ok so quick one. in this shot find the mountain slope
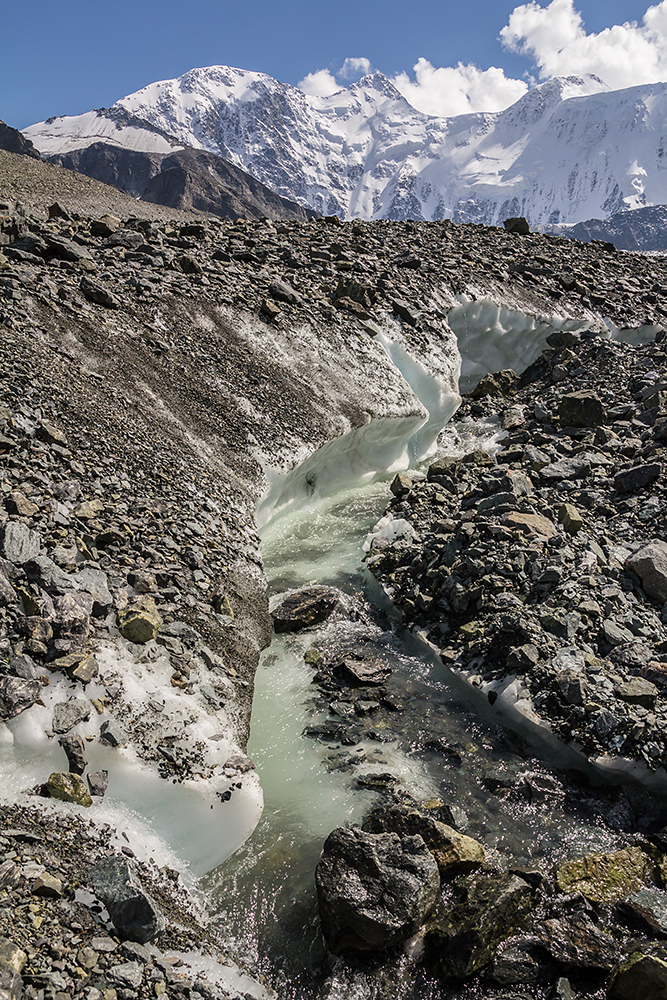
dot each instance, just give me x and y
(568, 150)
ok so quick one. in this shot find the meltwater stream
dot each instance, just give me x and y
(441, 741)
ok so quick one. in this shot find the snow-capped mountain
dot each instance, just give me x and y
(568, 150)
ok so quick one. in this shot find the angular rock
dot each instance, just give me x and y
(68, 788)
(75, 751)
(139, 622)
(48, 886)
(575, 941)
(20, 543)
(641, 977)
(570, 518)
(16, 695)
(518, 226)
(647, 908)
(604, 878)
(374, 890)
(68, 714)
(94, 582)
(359, 668)
(531, 524)
(95, 292)
(637, 478)
(454, 853)
(98, 782)
(650, 564)
(581, 409)
(462, 939)
(304, 609)
(400, 485)
(135, 915)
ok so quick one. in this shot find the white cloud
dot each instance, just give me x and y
(554, 37)
(321, 83)
(354, 67)
(458, 90)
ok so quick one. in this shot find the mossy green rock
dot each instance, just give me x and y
(69, 788)
(139, 622)
(455, 854)
(605, 878)
(642, 977)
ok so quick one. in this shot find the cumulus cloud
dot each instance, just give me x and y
(457, 90)
(555, 39)
(321, 83)
(355, 67)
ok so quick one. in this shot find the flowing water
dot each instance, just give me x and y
(443, 742)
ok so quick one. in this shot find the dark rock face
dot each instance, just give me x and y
(374, 890)
(134, 913)
(304, 609)
(518, 226)
(640, 229)
(12, 140)
(185, 179)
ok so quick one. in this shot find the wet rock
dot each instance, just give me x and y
(461, 939)
(581, 409)
(605, 878)
(575, 941)
(139, 622)
(113, 734)
(135, 915)
(357, 667)
(517, 963)
(641, 977)
(304, 609)
(647, 909)
(400, 485)
(374, 890)
(69, 788)
(454, 853)
(650, 564)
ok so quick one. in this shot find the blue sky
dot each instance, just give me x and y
(70, 56)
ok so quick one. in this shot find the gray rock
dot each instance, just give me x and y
(16, 695)
(647, 908)
(75, 752)
(650, 564)
(304, 609)
(98, 782)
(374, 890)
(68, 714)
(637, 478)
(95, 292)
(113, 734)
(50, 577)
(135, 915)
(94, 582)
(20, 543)
(575, 941)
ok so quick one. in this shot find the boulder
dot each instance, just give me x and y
(581, 409)
(359, 668)
(374, 890)
(637, 478)
(576, 942)
(641, 977)
(305, 608)
(69, 788)
(455, 854)
(604, 878)
(518, 226)
(650, 564)
(67, 714)
(20, 543)
(135, 915)
(139, 622)
(461, 939)
(16, 695)
(647, 908)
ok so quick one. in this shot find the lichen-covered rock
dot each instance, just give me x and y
(605, 878)
(69, 788)
(139, 623)
(374, 890)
